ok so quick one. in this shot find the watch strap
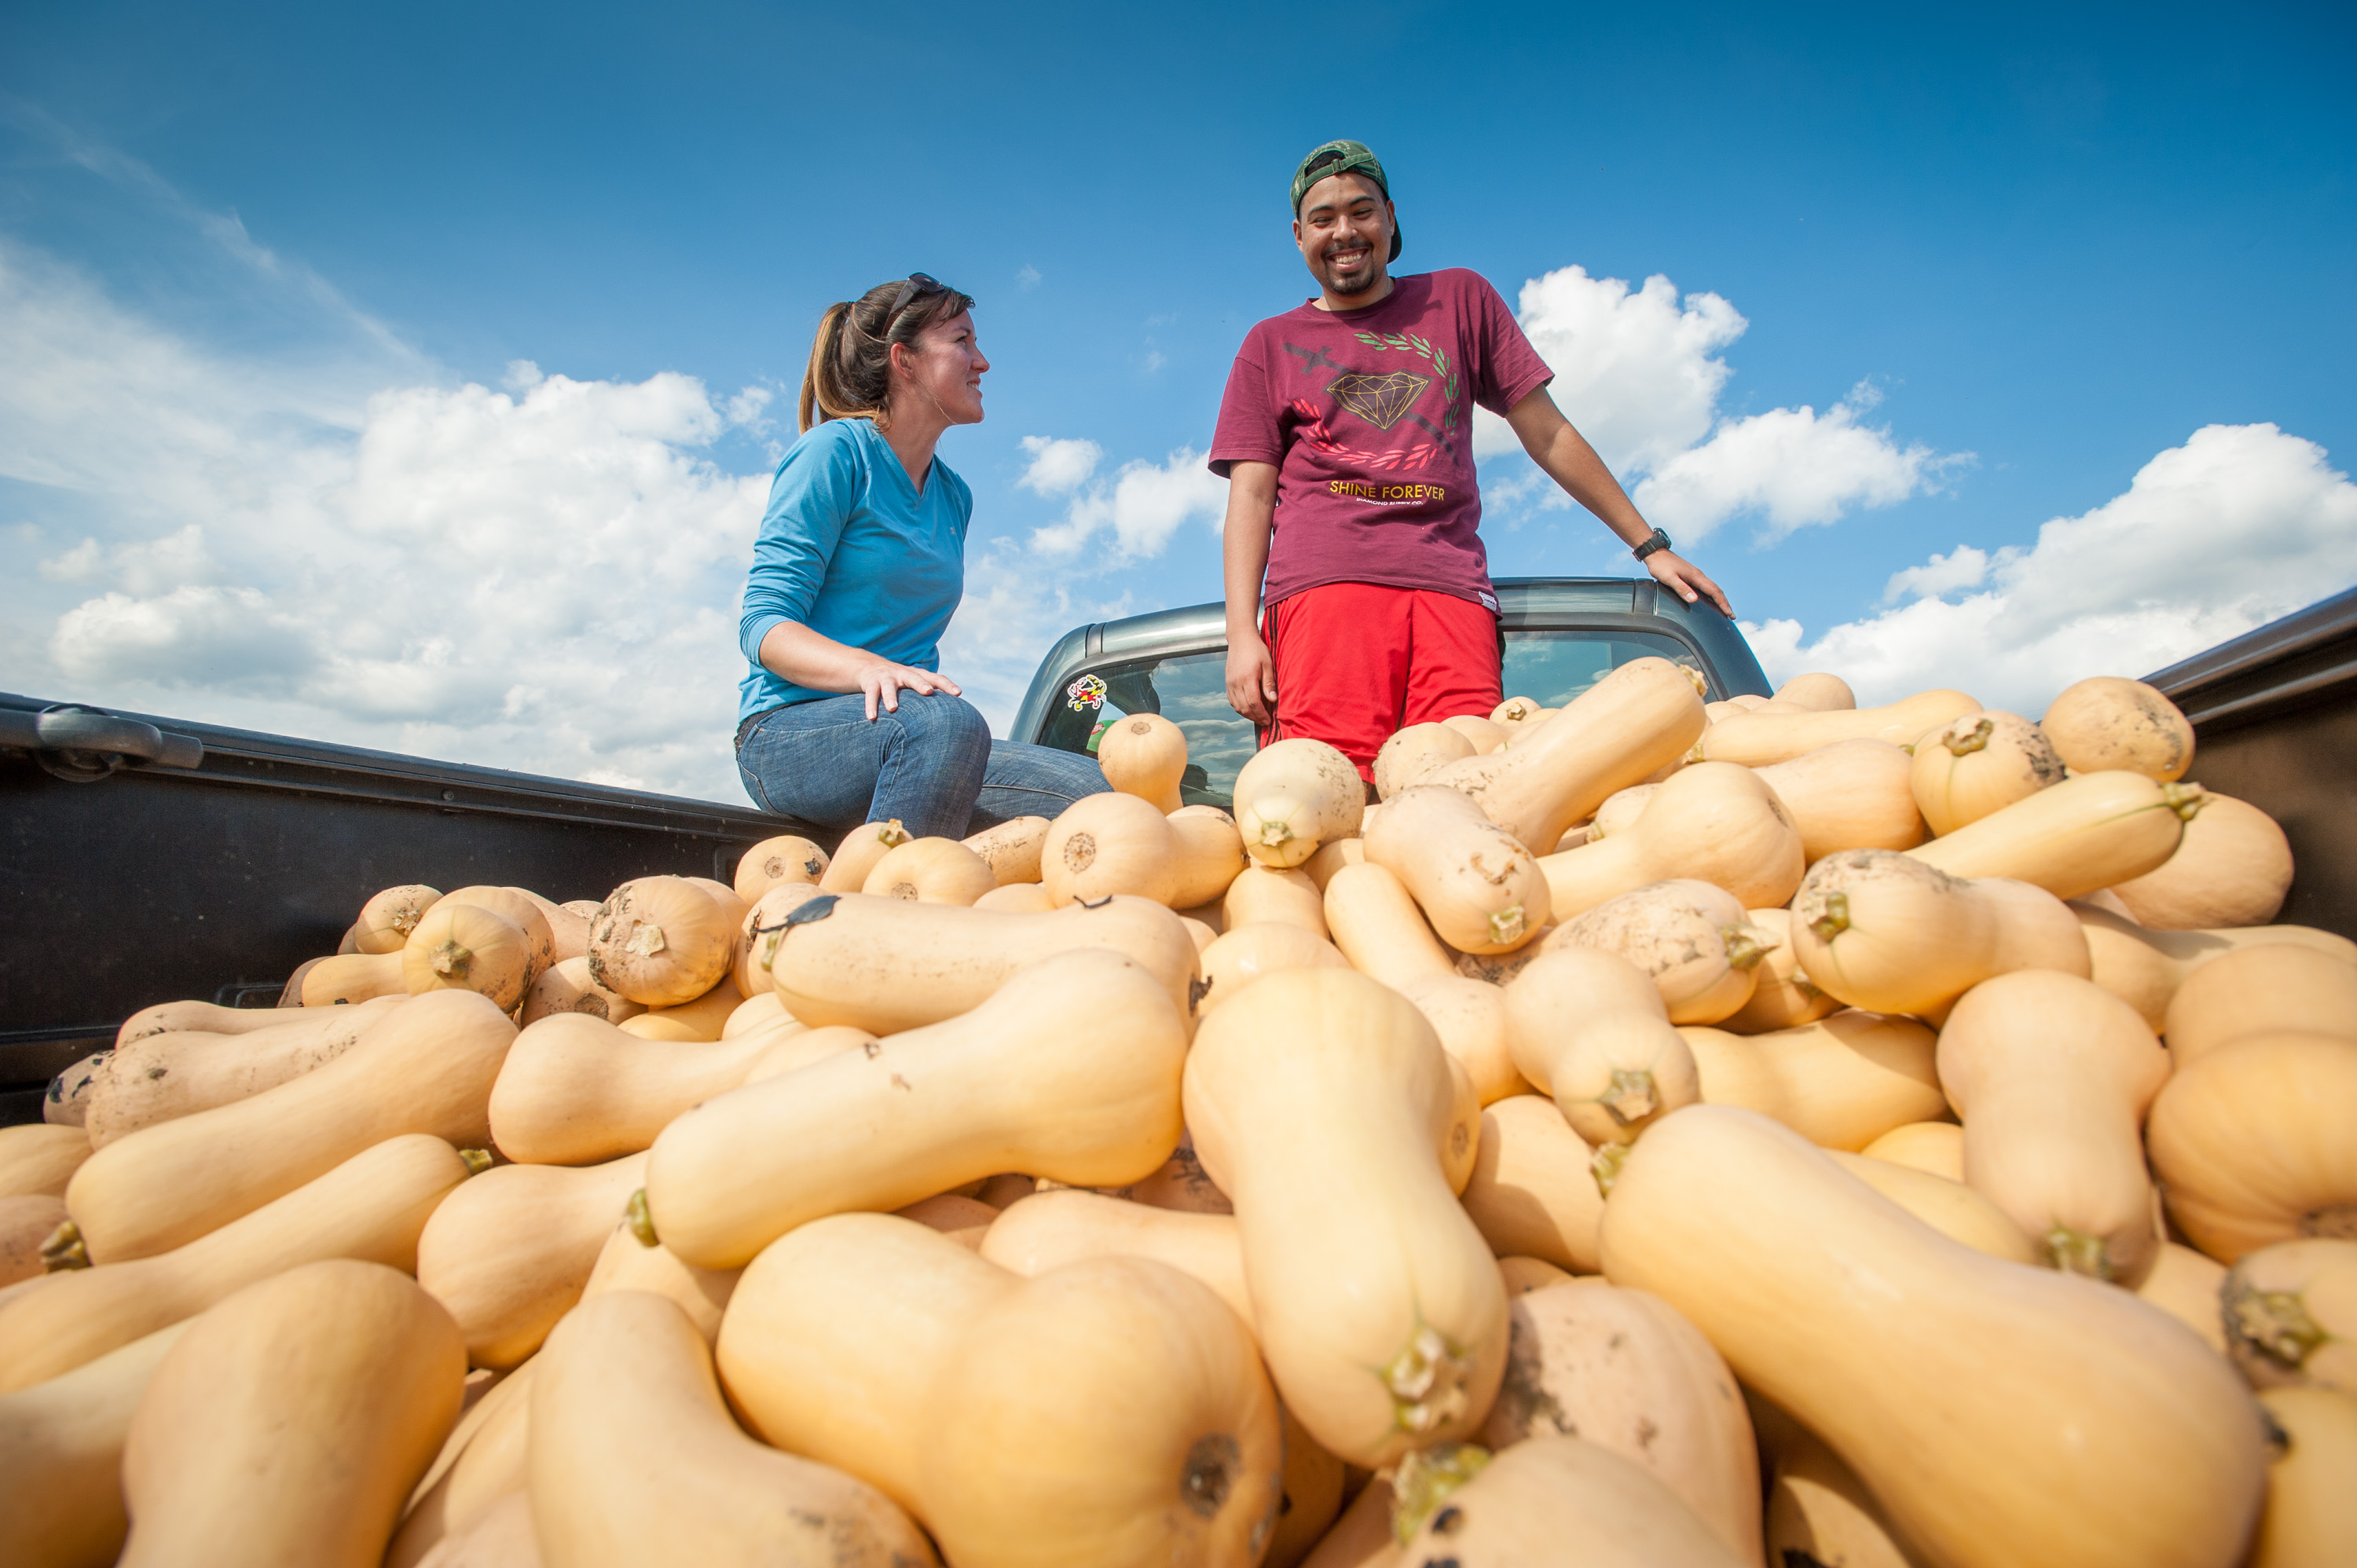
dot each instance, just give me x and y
(1657, 540)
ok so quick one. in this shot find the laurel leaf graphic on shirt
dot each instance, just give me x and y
(1382, 401)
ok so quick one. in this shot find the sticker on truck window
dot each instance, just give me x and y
(1088, 691)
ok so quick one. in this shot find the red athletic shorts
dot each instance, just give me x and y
(1356, 661)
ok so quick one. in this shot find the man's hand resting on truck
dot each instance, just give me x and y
(1251, 678)
(883, 681)
(1686, 579)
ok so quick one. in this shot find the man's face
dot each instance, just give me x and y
(1345, 234)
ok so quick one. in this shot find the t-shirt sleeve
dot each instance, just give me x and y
(1510, 369)
(810, 501)
(1247, 431)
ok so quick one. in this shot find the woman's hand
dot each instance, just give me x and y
(1251, 678)
(1686, 579)
(882, 682)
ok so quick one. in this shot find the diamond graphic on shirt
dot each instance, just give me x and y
(1382, 401)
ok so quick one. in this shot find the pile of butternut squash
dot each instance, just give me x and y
(1766, 1133)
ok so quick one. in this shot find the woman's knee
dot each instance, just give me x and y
(939, 721)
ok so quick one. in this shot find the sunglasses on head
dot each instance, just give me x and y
(919, 286)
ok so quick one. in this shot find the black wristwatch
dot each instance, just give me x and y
(1655, 541)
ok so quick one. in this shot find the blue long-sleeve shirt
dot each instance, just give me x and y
(849, 548)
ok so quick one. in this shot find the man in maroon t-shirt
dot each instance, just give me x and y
(1346, 437)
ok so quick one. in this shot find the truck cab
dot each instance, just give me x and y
(1556, 636)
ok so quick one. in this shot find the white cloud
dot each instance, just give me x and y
(2240, 525)
(1143, 506)
(1059, 464)
(1026, 276)
(1013, 612)
(1638, 373)
(1792, 467)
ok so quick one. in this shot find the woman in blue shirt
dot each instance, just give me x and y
(844, 716)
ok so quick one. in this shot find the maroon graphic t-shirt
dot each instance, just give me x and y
(1368, 416)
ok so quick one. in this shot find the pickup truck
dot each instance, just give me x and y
(148, 858)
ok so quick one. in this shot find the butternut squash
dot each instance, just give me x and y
(428, 1068)
(462, 946)
(2145, 968)
(27, 1226)
(876, 1346)
(525, 910)
(1115, 843)
(1145, 755)
(503, 1538)
(165, 1076)
(788, 857)
(635, 1460)
(1018, 898)
(568, 987)
(1623, 1370)
(1759, 740)
(481, 1464)
(1692, 939)
(1532, 1195)
(1782, 996)
(1413, 753)
(1979, 764)
(756, 1014)
(1840, 1082)
(2090, 832)
(1481, 889)
(511, 1254)
(2270, 989)
(1528, 1501)
(933, 871)
(1712, 823)
(1262, 894)
(1050, 1230)
(2052, 1076)
(1523, 1275)
(962, 1220)
(204, 1018)
(1469, 1016)
(568, 929)
(2290, 1313)
(2232, 867)
(37, 1160)
(1852, 794)
(1333, 857)
(1376, 925)
(1950, 1207)
(856, 856)
(2311, 1513)
(2106, 722)
(627, 1263)
(2185, 1284)
(68, 1093)
(1323, 1104)
(1892, 934)
(1292, 796)
(1011, 849)
(884, 966)
(1248, 953)
(1936, 1147)
(61, 1457)
(288, 1424)
(1486, 736)
(662, 940)
(1362, 1536)
(763, 927)
(576, 1092)
(697, 1022)
(353, 977)
(1310, 1498)
(784, 1052)
(1638, 717)
(1071, 1070)
(388, 918)
(2251, 1143)
(372, 1206)
(1590, 1028)
(2100, 1434)
(1824, 693)
(1818, 1510)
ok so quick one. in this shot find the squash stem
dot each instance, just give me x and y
(1604, 1165)
(1426, 1479)
(1507, 925)
(1746, 945)
(1977, 740)
(642, 1219)
(477, 1160)
(2273, 1323)
(2076, 1253)
(64, 1250)
(2185, 800)
(1835, 921)
(1630, 1098)
(1426, 1381)
(450, 959)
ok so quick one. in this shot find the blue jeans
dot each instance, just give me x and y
(932, 765)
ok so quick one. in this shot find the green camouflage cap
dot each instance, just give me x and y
(1342, 158)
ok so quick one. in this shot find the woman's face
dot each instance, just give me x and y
(945, 371)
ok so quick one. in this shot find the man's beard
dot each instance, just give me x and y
(1357, 284)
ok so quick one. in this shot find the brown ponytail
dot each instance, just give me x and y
(850, 374)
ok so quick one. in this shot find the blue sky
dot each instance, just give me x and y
(256, 256)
